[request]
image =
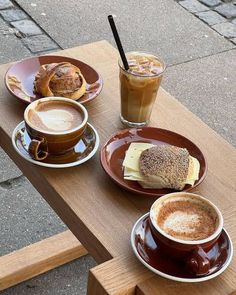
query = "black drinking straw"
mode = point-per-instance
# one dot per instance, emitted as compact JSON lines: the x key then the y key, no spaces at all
{"x":118,"y":43}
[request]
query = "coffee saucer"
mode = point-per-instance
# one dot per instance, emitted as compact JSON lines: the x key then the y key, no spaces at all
{"x":148,"y":252}
{"x":82,"y":152}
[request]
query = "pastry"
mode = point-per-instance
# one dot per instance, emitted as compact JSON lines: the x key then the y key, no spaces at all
{"x":60,"y":79}
{"x":161,"y":166}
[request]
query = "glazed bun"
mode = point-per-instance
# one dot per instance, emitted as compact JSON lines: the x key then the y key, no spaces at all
{"x":60,"y":79}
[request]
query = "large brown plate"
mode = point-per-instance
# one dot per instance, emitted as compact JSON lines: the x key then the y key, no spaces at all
{"x":25,"y":72}
{"x":113,"y":154}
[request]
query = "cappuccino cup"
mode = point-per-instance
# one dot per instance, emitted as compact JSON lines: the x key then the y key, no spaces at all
{"x":186,"y":226}
{"x":55,"y":125}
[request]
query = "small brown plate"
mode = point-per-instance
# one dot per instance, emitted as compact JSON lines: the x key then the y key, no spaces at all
{"x":113,"y":154}
{"x":148,"y":252}
{"x":20,"y":77}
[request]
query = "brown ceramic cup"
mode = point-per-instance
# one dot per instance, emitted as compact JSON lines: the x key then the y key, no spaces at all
{"x":45,"y":142}
{"x":193,"y":254}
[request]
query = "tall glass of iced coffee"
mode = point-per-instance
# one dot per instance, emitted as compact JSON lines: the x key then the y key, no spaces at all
{"x":139,"y":86}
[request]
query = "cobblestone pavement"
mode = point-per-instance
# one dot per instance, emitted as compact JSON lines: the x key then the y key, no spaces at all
{"x":219,"y":15}
{"x":21,"y":24}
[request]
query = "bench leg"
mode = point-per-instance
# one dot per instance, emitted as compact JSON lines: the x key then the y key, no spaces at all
{"x":118,"y":276}
{"x":38,"y":258}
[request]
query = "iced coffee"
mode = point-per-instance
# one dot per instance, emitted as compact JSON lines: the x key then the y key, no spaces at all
{"x":139,"y":86}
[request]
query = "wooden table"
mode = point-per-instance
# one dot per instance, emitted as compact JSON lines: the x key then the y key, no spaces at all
{"x":98,"y":212}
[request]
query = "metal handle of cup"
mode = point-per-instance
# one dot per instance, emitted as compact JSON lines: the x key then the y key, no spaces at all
{"x":38,"y":149}
{"x":198,"y":262}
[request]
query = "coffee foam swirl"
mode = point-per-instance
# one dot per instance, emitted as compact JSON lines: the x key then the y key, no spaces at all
{"x":56,"y":120}
{"x":187,"y":219}
{"x":56,"y":117}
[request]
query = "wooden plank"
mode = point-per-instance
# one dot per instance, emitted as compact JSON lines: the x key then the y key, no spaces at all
{"x":117,"y":276}
{"x":126,"y":275}
{"x":97,"y":211}
{"x":38,"y":258}
{"x":159,"y":286}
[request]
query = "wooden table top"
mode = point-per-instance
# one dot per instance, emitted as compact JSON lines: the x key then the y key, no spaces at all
{"x":96,"y":210}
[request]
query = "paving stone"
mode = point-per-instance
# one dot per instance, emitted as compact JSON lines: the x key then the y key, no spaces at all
{"x":39,"y":43}
{"x":11,"y":15}
{"x":226,"y":29}
{"x":27,"y":27}
{"x":11,"y":48}
{"x":206,"y":86}
{"x":25,"y":216}
{"x":211,"y":2}
{"x":211,"y":17}
{"x":47,"y":52}
{"x":4,"y":4}
{"x":173,"y":24}
{"x":233,"y":40}
{"x":8,"y":169}
{"x":234,"y":21}
{"x":228,"y":10}
{"x":193,"y":6}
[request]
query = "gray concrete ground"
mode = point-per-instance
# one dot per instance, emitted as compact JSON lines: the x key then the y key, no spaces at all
{"x":9,"y":43}
{"x":162,"y":27}
{"x":219,"y":14}
{"x":207,"y":86}
{"x":201,"y":74}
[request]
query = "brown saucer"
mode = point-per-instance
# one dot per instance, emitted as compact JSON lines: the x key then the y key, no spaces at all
{"x":148,"y":252}
{"x":82,"y":152}
{"x":113,"y":154}
{"x":25,"y":70}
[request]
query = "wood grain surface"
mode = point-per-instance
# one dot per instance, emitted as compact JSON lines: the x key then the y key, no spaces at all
{"x":119,"y":275}
{"x":38,"y":258}
{"x":152,"y":287}
{"x":97,"y":211}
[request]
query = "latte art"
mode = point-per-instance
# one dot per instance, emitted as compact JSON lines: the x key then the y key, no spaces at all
{"x":56,"y":117}
{"x":187,"y":219}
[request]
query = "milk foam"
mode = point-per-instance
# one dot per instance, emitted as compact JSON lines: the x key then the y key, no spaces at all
{"x":55,"y":117}
{"x":181,"y":222}
{"x":56,"y":120}
{"x":186,"y":218}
